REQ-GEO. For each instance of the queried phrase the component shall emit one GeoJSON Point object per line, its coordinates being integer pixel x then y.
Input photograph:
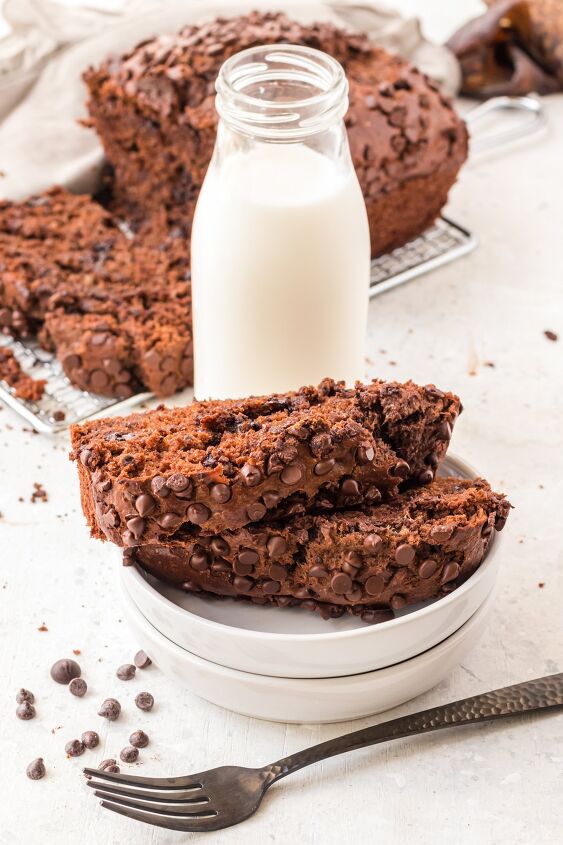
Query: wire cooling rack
{"type": "Point", "coordinates": [444, 242]}
{"type": "Point", "coordinates": [60, 399]}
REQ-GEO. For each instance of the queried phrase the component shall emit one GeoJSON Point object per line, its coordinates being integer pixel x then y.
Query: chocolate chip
{"type": "Point", "coordinates": [373, 543]}
{"type": "Point", "coordinates": [109, 765]}
{"type": "Point", "coordinates": [99, 338]}
{"type": "Point", "coordinates": [353, 559]}
{"type": "Point", "coordinates": [126, 672]}
{"type": "Point", "coordinates": [63, 671]}
{"type": "Point", "coordinates": [78, 687]}
{"type": "Point", "coordinates": [275, 464]}
{"type": "Point", "coordinates": [404, 554]}
{"type": "Point", "coordinates": [24, 695]}
{"type": "Point", "coordinates": [178, 482]}
{"type": "Point", "coordinates": [375, 585]}
{"type": "Point", "coordinates": [168, 383]}
{"type": "Point", "coordinates": [129, 539]}
{"type": "Point", "coordinates": [169, 521]}
{"type": "Point", "coordinates": [159, 487]}
{"type": "Point", "coordinates": [277, 572]}
{"type": "Point", "coordinates": [144, 701]}
{"type": "Point", "coordinates": [98, 380]}
{"type": "Point", "coordinates": [139, 739]}
{"type": "Point", "coordinates": [25, 711]}
{"type": "Point", "coordinates": [318, 572]}
{"type": "Point", "coordinates": [323, 467]}
{"type": "Point", "coordinates": [136, 526]}
{"type": "Point", "coordinates": [220, 546]}
{"type": "Point", "coordinates": [256, 511]}
{"type": "Point", "coordinates": [450, 573]}
{"type": "Point", "coordinates": [220, 493]}
{"type": "Point", "coordinates": [271, 499]}
{"type": "Point", "coordinates": [350, 487]}
{"type": "Point", "coordinates": [248, 557]}
{"type": "Point", "coordinates": [36, 769]}
{"type": "Point", "coordinates": [365, 454]}
{"type": "Point", "coordinates": [398, 601]}
{"type": "Point", "coordinates": [129, 754]}
{"type": "Point", "coordinates": [74, 748]}
{"type": "Point", "coordinates": [243, 585]}
{"type": "Point", "coordinates": [291, 474]}
{"type": "Point", "coordinates": [110, 709]}
{"type": "Point", "coordinates": [341, 583]}
{"type": "Point", "coordinates": [142, 660]}
{"type": "Point", "coordinates": [426, 476]}
{"type": "Point", "coordinates": [90, 739]}
{"type": "Point", "coordinates": [251, 474]}
{"type": "Point", "coordinates": [198, 513]}
{"type": "Point", "coordinates": [321, 444]}
{"type": "Point", "coordinates": [220, 566]}
{"type": "Point", "coordinates": [270, 588]}
{"type": "Point", "coordinates": [427, 568]}
{"type": "Point", "coordinates": [144, 504]}
{"type": "Point", "coordinates": [500, 522]}
{"type": "Point", "coordinates": [441, 533]}
{"type": "Point", "coordinates": [199, 560]}
{"type": "Point", "coordinates": [276, 546]}
{"type": "Point", "coordinates": [355, 595]}
{"type": "Point", "coordinates": [445, 431]}
{"type": "Point", "coordinates": [400, 470]}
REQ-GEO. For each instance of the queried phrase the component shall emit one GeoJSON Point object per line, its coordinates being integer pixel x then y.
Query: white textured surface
{"type": "Point", "coordinates": [489, 785]}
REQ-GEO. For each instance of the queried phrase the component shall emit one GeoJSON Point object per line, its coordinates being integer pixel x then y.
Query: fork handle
{"type": "Point", "coordinates": [528, 697]}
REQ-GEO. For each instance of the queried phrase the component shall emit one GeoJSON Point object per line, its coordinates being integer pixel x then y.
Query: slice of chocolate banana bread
{"type": "Point", "coordinates": [223, 464]}
{"type": "Point", "coordinates": [24, 386]}
{"type": "Point", "coordinates": [370, 561]}
{"type": "Point", "coordinates": [115, 309]}
{"type": "Point", "coordinates": [154, 112]}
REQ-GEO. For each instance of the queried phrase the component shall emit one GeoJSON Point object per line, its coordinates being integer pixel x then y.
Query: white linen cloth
{"type": "Point", "coordinates": [42, 95]}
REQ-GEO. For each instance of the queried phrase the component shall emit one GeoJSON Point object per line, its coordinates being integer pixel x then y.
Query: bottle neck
{"type": "Point", "coordinates": [282, 93]}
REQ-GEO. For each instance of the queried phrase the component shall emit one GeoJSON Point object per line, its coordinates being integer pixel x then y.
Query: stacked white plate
{"type": "Point", "coordinates": [290, 665]}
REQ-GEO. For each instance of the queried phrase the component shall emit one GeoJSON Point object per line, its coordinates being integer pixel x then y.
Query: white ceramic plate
{"type": "Point", "coordinates": [301, 699]}
{"type": "Point", "coordinates": [297, 644]}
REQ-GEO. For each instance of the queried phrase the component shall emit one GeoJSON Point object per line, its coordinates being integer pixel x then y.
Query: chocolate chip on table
{"type": "Point", "coordinates": [109, 765]}
{"type": "Point", "coordinates": [110, 709]}
{"type": "Point", "coordinates": [24, 695]}
{"type": "Point", "coordinates": [25, 711]}
{"type": "Point", "coordinates": [139, 739]}
{"type": "Point", "coordinates": [126, 672]}
{"type": "Point", "coordinates": [36, 769]}
{"type": "Point", "coordinates": [63, 671]}
{"type": "Point", "coordinates": [144, 701]}
{"type": "Point", "coordinates": [142, 660]}
{"type": "Point", "coordinates": [90, 739]}
{"type": "Point", "coordinates": [129, 754]}
{"type": "Point", "coordinates": [551, 335]}
{"type": "Point", "coordinates": [78, 687]}
{"type": "Point", "coordinates": [74, 748]}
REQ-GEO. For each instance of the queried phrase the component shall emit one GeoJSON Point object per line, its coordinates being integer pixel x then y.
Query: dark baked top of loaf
{"type": "Point", "coordinates": [399, 125]}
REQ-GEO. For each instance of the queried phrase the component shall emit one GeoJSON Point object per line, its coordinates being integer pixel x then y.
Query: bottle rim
{"type": "Point", "coordinates": [265, 70]}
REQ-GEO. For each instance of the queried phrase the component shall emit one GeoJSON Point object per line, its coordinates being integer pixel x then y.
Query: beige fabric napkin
{"type": "Point", "coordinates": [42, 95]}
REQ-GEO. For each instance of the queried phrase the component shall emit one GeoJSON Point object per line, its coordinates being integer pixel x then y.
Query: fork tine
{"type": "Point", "coordinates": [168, 797]}
{"type": "Point", "coordinates": [189, 782]}
{"type": "Point", "coordinates": [186, 825]}
{"type": "Point", "coordinates": [181, 810]}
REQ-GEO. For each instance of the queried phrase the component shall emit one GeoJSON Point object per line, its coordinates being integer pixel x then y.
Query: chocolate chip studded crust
{"type": "Point", "coordinates": [221, 465]}
{"type": "Point", "coordinates": [154, 111]}
{"type": "Point", "coordinates": [371, 561]}
{"type": "Point", "coordinates": [115, 309]}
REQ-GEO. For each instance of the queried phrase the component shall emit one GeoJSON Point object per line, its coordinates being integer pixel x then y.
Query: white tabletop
{"type": "Point", "coordinates": [487, 785]}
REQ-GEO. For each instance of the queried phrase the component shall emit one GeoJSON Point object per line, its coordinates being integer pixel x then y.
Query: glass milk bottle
{"type": "Point", "coordinates": [280, 240]}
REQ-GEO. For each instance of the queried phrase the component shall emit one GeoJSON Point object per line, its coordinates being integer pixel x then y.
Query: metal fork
{"type": "Point", "coordinates": [229, 794]}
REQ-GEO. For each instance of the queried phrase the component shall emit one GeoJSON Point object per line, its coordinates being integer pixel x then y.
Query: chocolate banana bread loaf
{"type": "Point", "coordinates": [116, 310]}
{"type": "Point", "coordinates": [222, 464]}
{"type": "Point", "coordinates": [370, 561]}
{"type": "Point", "coordinates": [154, 112]}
